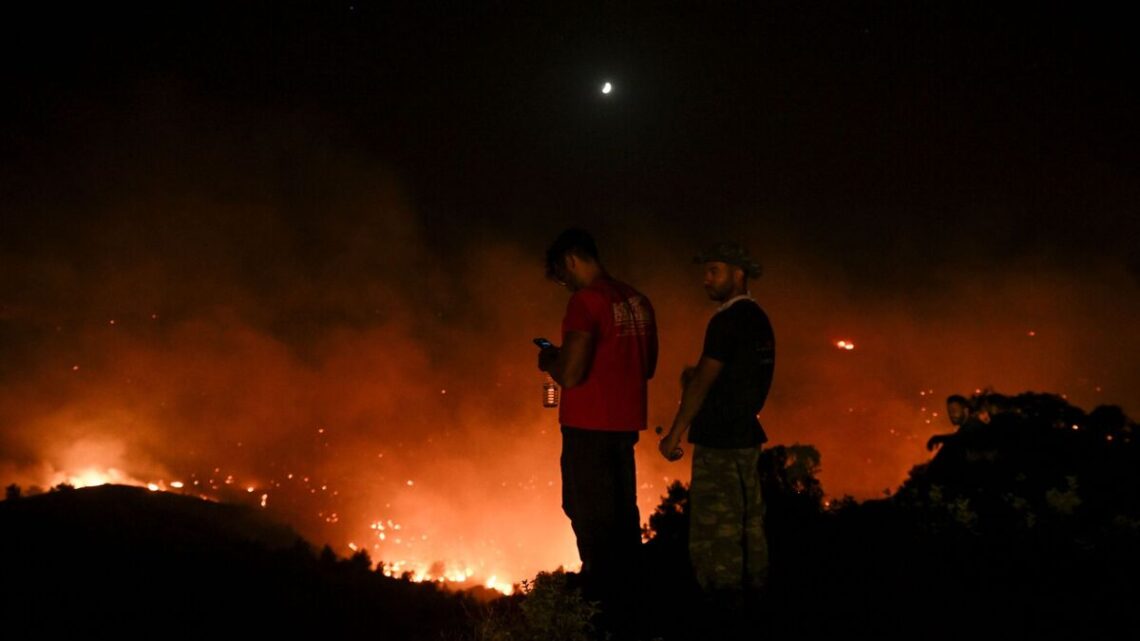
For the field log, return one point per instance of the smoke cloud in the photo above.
(225, 299)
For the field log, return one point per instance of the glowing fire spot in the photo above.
(264, 499)
(493, 583)
(93, 477)
(847, 345)
(152, 487)
(177, 485)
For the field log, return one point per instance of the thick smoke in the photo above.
(275, 319)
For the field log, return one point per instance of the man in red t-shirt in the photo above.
(608, 353)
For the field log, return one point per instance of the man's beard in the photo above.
(719, 294)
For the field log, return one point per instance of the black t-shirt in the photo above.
(741, 338)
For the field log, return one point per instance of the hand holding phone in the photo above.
(547, 355)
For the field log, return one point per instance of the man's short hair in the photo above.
(959, 399)
(571, 241)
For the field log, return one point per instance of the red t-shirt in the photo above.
(622, 323)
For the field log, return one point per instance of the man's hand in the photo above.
(569, 364)
(670, 445)
(934, 442)
(547, 357)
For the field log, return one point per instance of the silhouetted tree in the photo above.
(1041, 510)
(788, 474)
(12, 492)
(669, 523)
(1108, 422)
(547, 608)
(360, 562)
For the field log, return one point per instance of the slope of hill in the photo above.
(138, 564)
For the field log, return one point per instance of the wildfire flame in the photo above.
(92, 477)
(450, 574)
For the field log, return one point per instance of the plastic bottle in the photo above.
(550, 393)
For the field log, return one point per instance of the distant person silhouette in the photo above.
(965, 456)
(959, 412)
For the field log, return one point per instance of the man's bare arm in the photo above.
(703, 377)
(570, 364)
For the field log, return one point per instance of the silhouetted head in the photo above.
(957, 409)
(728, 267)
(572, 259)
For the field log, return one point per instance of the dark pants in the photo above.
(599, 494)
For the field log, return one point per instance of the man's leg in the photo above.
(755, 539)
(599, 495)
(620, 563)
(716, 529)
(579, 469)
(627, 519)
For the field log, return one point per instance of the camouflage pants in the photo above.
(726, 524)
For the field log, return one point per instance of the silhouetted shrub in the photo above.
(547, 609)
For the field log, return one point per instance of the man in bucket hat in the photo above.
(722, 396)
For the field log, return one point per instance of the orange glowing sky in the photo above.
(432, 420)
(297, 263)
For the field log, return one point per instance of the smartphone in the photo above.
(543, 343)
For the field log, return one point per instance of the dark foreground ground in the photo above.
(1032, 531)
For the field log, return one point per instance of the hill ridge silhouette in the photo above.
(128, 562)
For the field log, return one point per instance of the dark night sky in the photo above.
(857, 125)
(312, 214)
